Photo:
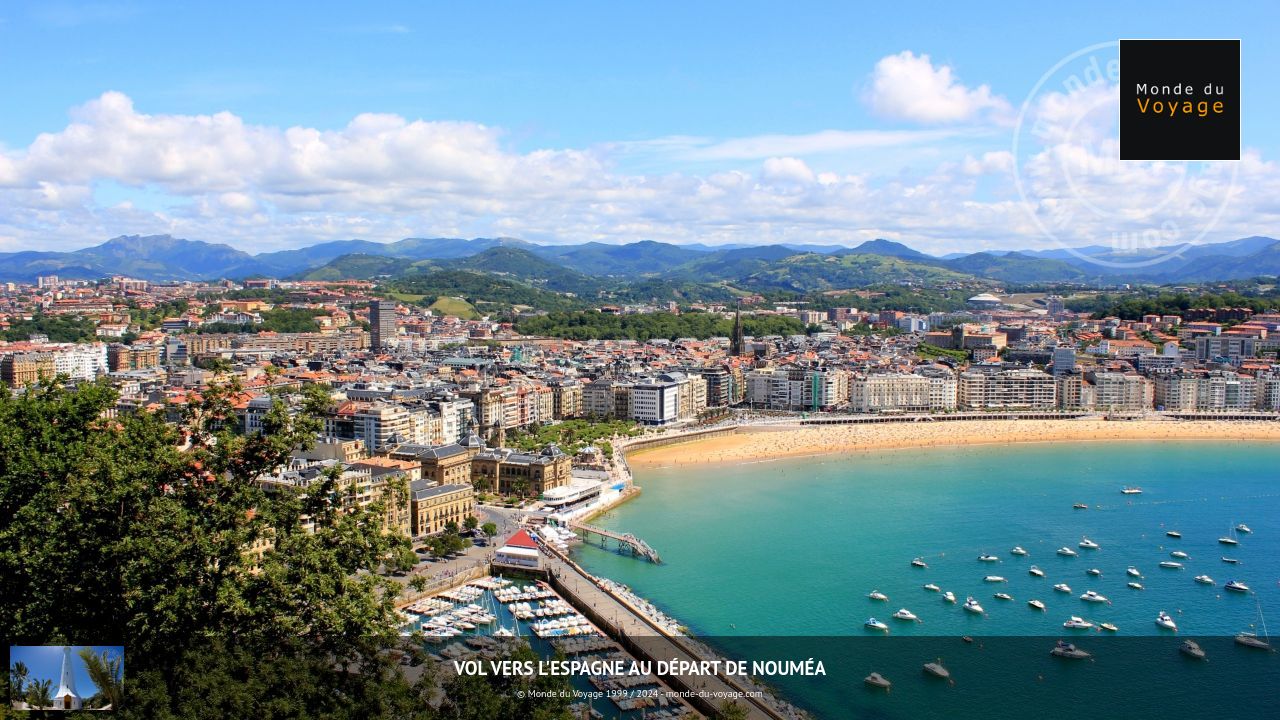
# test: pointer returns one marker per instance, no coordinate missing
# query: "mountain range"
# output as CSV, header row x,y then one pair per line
x,y
598,266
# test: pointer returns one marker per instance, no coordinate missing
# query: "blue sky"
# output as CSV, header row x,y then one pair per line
x,y
44,662
623,110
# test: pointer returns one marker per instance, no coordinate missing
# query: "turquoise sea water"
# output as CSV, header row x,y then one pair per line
x,y
792,547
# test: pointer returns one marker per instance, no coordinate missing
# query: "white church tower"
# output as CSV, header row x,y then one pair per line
x,y
67,698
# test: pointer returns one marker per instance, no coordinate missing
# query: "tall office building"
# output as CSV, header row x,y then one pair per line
x,y
382,323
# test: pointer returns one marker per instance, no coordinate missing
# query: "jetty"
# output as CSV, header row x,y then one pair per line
x,y
638,547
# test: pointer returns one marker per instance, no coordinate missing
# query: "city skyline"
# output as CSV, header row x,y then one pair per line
x,y
426,124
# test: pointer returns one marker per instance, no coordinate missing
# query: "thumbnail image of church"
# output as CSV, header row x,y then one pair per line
x,y
32,686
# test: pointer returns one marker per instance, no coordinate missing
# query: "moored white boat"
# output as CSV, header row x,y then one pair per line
x,y
874,624
1062,588
1236,586
1166,622
1171,565
878,596
1204,580
905,614
1067,552
972,606
1003,596
949,596
1036,571
1018,550
931,587
1133,572
1091,596
1077,623
1135,586
1036,604
994,579
1088,544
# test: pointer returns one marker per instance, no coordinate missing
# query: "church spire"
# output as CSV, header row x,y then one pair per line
x,y
736,343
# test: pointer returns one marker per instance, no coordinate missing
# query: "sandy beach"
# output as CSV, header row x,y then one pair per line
x,y
754,444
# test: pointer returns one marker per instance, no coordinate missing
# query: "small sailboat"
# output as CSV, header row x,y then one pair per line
x,y
1088,544
1036,604
878,596
1166,622
1077,623
874,624
1062,588
1250,639
1036,571
1204,580
1226,540
1018,550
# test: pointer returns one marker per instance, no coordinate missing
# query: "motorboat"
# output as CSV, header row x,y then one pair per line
x,y
1080,506
1095,572
1036,604
1243,528
971,605
1091,596
1036,571
949,596
1191,649
1133,572
1230,561
1236,586
1171,565
1173,534
1130,490
905,614
1135,586
1018,550
1179,554
1065,649
1067,552
875,624
877,680
1077,623
994,579
1166,622
1088,544
877,595
1228,540
1109,627
988,558
1062,588
931,587
919,562
1204,580
1003,596
937,670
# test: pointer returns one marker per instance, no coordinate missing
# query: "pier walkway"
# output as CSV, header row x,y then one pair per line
x,y
638,547
643,639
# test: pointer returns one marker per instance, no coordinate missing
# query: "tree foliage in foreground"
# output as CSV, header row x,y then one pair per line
x,y
127,531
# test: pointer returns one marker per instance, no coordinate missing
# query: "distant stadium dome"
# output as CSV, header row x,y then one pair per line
x,y
985,300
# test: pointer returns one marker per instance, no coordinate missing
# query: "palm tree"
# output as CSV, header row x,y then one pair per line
x,y
18,675
107,673
40,693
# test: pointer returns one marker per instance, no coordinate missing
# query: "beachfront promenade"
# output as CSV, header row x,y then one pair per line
x,y
640,636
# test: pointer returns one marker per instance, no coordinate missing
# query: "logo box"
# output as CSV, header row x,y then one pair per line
x,y
1180,99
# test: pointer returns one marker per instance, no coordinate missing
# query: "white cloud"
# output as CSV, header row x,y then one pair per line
x,y
383,177
907,86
